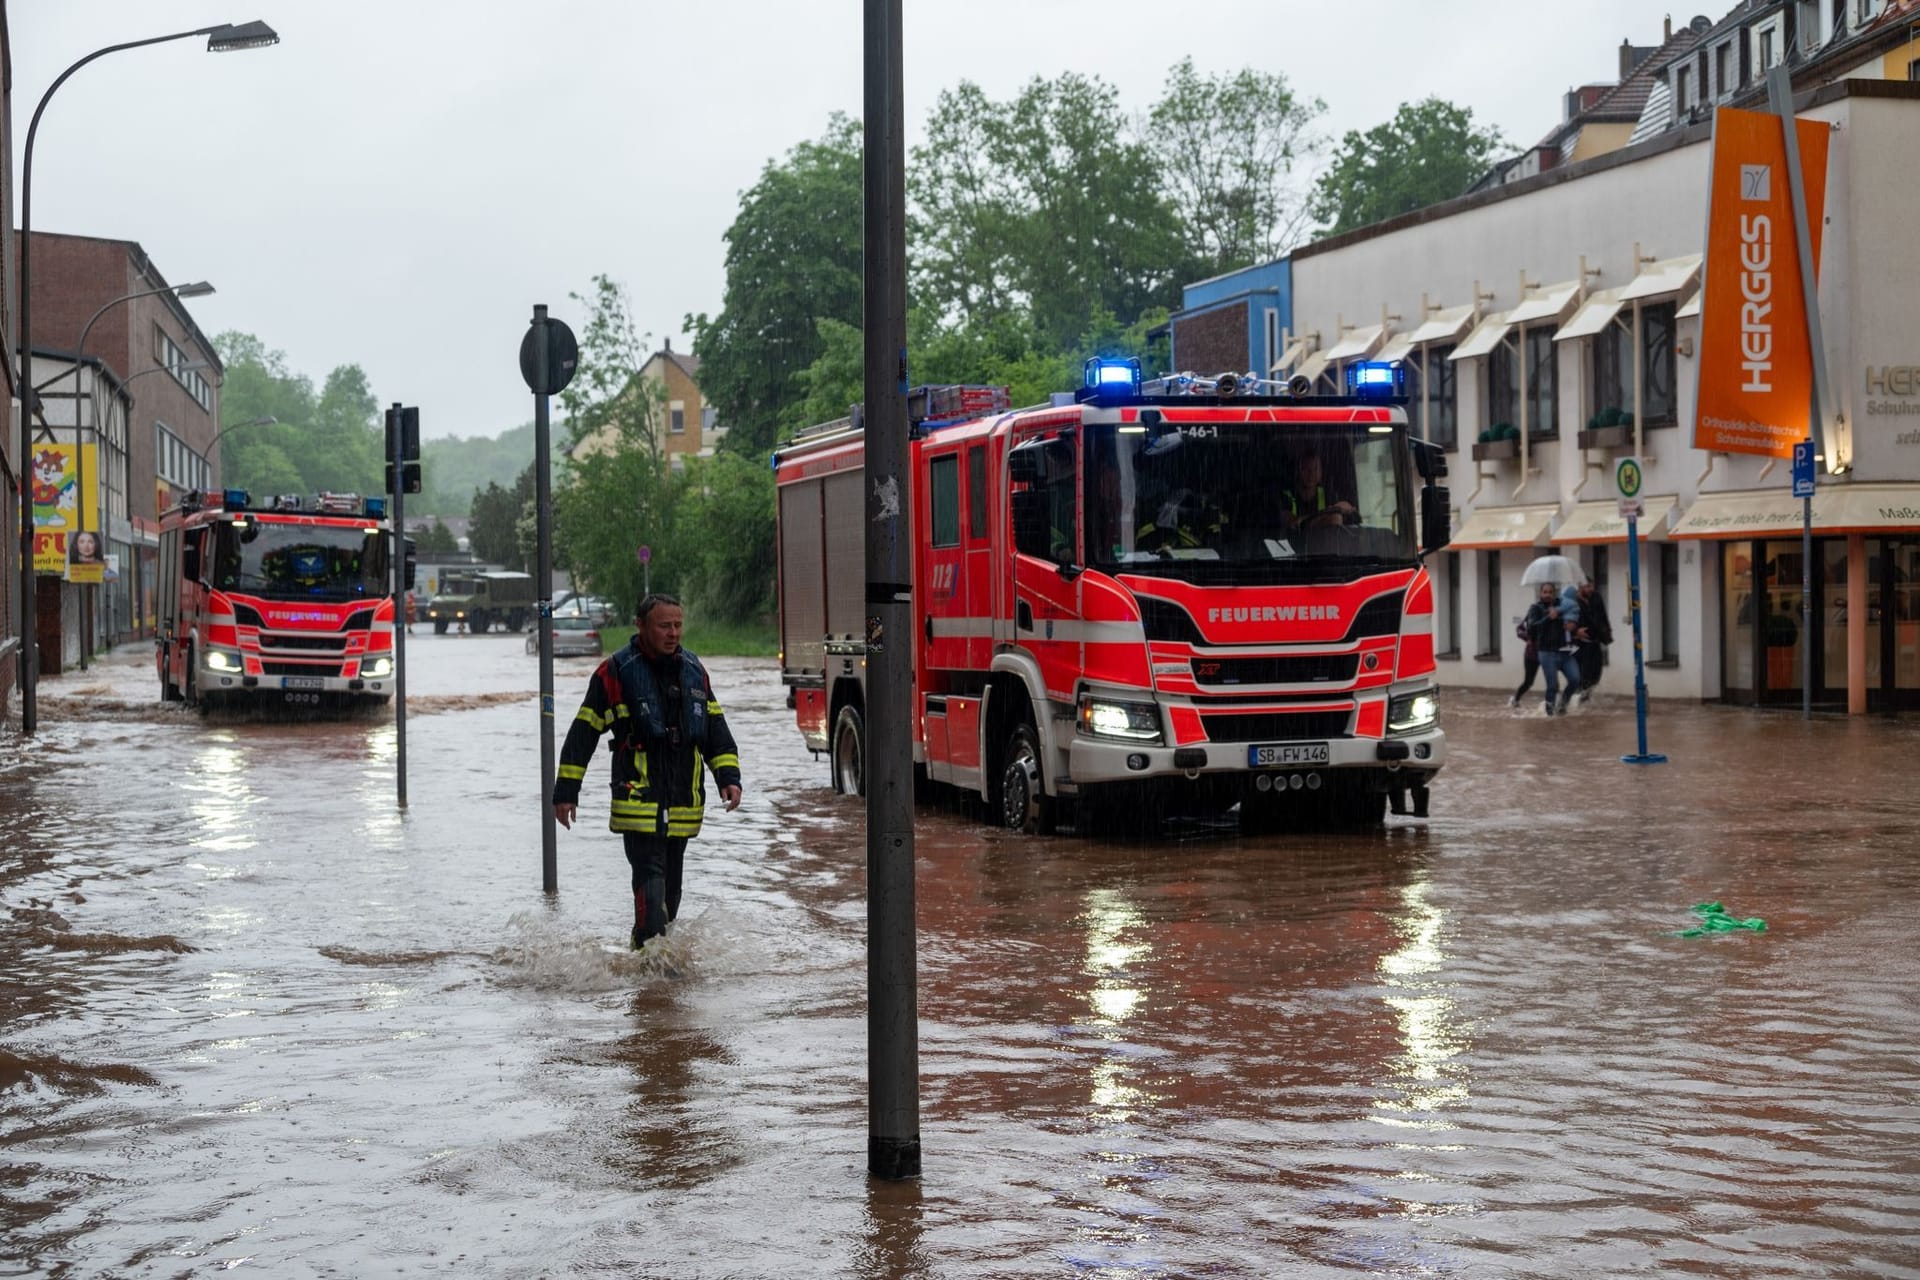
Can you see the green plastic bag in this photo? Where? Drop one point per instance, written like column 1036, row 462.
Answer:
column 1714, row 919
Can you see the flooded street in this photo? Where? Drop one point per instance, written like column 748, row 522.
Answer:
column 257, row 1018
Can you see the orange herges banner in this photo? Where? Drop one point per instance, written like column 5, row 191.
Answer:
column 1756, row 365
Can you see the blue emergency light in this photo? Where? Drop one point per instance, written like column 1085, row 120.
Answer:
column 234, row 499
column 1112, row 375
column 1376, row 379
column 376, row 507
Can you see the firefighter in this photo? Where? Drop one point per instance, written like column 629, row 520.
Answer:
column 1309, row 505
column 1186, row 521
column 656, row 700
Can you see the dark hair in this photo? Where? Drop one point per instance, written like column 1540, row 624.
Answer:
column 647, row 604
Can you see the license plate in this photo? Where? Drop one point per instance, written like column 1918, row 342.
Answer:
column 1279, row 754
column 302, row 682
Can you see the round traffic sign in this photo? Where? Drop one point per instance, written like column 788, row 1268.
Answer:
column 562, row 357
column 1627, row 477
column 644, row 554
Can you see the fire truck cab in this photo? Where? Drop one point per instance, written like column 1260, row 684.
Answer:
column 288, row 599
column 1182, row 595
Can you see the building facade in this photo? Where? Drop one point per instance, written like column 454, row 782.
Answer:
column 151, row 345
column 1550, row 327
column 12, row 466
column 1233, row 322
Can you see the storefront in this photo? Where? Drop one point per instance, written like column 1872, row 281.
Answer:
column 1864, row 638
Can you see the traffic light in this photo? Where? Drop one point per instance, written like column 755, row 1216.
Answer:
column 405, row 419
column 411, row 473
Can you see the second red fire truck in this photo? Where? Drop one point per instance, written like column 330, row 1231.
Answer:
column 285, row 601
column 1183, row 595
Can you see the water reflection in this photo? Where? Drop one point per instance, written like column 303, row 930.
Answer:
column 1431, row 1039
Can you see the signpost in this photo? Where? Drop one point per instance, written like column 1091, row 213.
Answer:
column 548, row 357
column 1628, row 477
column 645, row 556
column 403, row 477
column 1803, row 472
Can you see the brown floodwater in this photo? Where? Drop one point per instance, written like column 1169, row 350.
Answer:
column 254, row 1017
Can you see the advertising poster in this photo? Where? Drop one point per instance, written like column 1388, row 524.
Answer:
column 1756, row 363
column 86, row 556
column 58, row 508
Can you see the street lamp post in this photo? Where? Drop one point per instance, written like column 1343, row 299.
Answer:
column 224, row 38
column 197, row 289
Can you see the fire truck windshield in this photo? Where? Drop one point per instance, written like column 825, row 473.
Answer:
column 1246, row 501
column 286, row 561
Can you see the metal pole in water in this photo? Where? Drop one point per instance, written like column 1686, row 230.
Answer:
column 543, row 587
column 396, row 432
column 893, row 1051
column 1639, row 650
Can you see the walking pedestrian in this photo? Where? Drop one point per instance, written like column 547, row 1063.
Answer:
column 1595, row 631
column 655, row 698
column 1530, row 656
column 1546, row 627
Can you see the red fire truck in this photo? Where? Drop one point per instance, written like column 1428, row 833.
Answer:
column 1183, row 595
column 288, row 600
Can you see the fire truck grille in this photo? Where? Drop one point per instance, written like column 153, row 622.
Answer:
column 334, row 643
column 1277, row 726
column 300, row 668
column 1337, row 668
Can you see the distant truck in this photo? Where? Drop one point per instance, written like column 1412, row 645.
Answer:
column 481, row 599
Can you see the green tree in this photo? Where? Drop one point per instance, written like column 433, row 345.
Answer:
column 793, row 259
column 1046, row 203
column 495, row 514
column 725, row 544
column 326, row 441
column 1230, row 149
column 1430, row 151
column 437, row 537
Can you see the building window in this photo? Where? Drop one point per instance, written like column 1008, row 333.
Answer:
column 174, row 359
column 1436, row 381
column 1668, row 594
column 1682, row 90
column 1272, row 341
column 176, row 463
column 1491, row 623
column 1543, row 383
column 1764, row 41
column 1613, row 375
column 1450, row 638
column 1723, row 70
column 1502, row 399
column 677, row 417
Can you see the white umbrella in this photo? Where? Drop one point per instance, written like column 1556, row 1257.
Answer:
column 1558, row 570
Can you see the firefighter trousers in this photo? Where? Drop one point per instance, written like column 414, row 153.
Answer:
column 657, row 863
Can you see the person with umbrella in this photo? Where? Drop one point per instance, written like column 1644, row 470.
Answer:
column 1549, row 627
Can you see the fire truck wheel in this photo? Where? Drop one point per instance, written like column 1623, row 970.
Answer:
column 849, row 755
column 1024, row 806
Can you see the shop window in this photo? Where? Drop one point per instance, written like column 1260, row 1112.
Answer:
column 1492, row 625
column 1667, row 573
column 1543, row 383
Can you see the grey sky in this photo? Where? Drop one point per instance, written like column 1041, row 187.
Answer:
column 398, row 181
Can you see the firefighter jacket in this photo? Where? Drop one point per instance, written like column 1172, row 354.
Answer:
column 667, row 729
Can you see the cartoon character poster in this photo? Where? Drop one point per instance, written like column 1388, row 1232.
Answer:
column 58, row 498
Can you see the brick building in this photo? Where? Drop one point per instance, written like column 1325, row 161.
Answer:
column 152, row 348
column 10, row 463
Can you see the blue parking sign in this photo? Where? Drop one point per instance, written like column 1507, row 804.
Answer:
column 1803, row 469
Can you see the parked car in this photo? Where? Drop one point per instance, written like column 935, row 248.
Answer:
column 600, row 609
column 574, row 636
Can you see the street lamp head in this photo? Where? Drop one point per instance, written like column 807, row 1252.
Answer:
column 247, row 35
column 198, row 289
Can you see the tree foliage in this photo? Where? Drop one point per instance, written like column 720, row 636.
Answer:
column 1047, row 204
column 1231, row 151
column 495, row 514
column 330, row 440
column 793, row 259
column 1430, row 151
column 437, row 538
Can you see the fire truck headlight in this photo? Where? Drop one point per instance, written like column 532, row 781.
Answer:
column 1411, row 711
column 221, row 660
column 374, row 668
column 1110, row 718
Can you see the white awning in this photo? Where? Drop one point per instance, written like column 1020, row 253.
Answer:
column 1593, row 317
column 1312, row 367
column 1775, row 513
column 1549, row 303
column 1493, row 528
column 1357, row 344
column 1289, row 357
column 1663, row 279
column 1445, row 325
column 1493, row 327
column 1593, row 522
column 1691, row 307
column 1398, row 347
